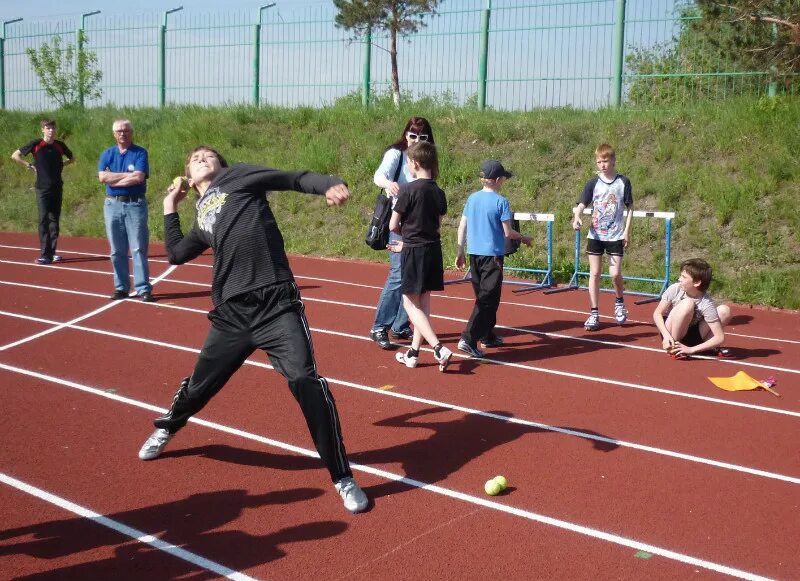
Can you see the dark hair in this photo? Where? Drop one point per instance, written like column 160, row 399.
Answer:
column 47, row 123
column 221, row 159
column 424, row 153
column 414, row 125
column 699, row 270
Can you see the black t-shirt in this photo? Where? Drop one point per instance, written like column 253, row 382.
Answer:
column 48, row 159
column 420, row 204
column 235, row 220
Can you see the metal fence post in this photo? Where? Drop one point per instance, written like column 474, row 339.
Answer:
column 2, row 73
column 3, row 62
column 618, row 58
column 484, row 56
column 772, row 89
column 256, row 63
column 80, row 60
column 162, row 58
column 365, row 77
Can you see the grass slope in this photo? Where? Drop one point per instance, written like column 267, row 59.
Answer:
column 729, row 170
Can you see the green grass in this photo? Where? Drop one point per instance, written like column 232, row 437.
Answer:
column 728, row 169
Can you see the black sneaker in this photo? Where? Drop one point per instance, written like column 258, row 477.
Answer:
column 381, row 338
column 147, row 297
column 118, row 295
column 493, row 341
column 43, row 260
column 407, row 333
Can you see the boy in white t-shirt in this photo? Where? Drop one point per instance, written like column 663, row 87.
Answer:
column 687, row 317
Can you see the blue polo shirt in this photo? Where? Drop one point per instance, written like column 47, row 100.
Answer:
column 134, row 159
column 486, row 211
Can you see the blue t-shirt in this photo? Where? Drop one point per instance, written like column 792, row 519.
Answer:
column 134, row 159
column 485, row 212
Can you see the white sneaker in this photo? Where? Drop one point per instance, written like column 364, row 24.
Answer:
column 443, row 358
column 593, row 322
column 620, row 313
column 406, row 359
column 155, row 444
column 353, row 497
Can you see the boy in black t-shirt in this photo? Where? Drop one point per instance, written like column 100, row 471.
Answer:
column 48, row 161
column 420, row 207
column 256, row 301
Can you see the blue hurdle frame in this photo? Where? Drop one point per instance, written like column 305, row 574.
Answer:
column 574, row 282
column 547, row 278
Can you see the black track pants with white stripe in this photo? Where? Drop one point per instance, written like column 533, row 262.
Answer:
column 272, row 319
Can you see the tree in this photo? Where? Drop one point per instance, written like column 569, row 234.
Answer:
column 67, row 74
column 403, row 17
column 755, row 40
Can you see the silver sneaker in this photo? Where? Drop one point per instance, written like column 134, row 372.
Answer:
column 620, row 313
column 353, row 497
column 155, row 444
column 444, row 357
column 470, row 350
column 593, row 322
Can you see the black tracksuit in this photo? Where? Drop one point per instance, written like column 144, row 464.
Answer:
column 48, row 158
column 256, row 302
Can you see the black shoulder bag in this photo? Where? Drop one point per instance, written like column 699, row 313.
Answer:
column 378, row 232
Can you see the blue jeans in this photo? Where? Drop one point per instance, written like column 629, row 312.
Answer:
column 126, row 228
column 390, row 312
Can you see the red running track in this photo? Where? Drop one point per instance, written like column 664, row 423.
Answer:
column 622, row 463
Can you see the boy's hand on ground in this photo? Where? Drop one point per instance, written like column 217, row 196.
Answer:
column 678, row 349
column 337, row 195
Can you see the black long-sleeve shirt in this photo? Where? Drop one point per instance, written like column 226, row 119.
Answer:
column 235, row 220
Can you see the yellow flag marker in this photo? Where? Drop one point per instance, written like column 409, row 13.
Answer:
column 741, row 382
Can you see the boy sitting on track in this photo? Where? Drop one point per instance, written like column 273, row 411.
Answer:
column 687, row 317
column 420, row 207
column 485, row 223
column 609, row 193
column 256, row 301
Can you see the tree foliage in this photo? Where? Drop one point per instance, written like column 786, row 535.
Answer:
column 738, row 46
column 397, row 17
column 68, row 74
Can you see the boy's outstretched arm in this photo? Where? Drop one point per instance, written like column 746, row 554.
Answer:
column 628, row 221
column 578, row 211
column 460, row 238
column 512, row 234
column 667, row 341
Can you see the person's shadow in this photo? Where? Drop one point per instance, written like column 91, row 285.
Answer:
column 189, row 523
column 450, row 446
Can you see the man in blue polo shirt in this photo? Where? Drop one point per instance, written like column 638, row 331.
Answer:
column 124, row 169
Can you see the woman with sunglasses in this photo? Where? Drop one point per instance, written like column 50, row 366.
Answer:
column 390, row 316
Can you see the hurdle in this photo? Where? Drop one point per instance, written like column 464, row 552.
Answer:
column 547, row 273
column 574, row 282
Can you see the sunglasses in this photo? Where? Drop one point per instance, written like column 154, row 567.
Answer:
column 418, row 136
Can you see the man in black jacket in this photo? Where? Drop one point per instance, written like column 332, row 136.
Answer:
column 256, row 301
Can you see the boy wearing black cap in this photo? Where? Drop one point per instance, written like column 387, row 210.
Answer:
column 489, row 218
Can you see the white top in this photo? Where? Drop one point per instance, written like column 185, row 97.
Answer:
column 704, row 306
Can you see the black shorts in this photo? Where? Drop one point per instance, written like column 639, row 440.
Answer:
column 692, row 336
column 421, row 269
column 598, row 247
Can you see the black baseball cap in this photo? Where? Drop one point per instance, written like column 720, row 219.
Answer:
column 491, row 169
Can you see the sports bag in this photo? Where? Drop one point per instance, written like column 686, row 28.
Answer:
column 512, row 245
column 378, row 232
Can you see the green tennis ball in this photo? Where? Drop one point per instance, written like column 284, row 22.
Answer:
column 501, row 480
column 492, row 487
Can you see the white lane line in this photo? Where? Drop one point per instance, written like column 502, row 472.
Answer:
column 468, row 498
column 373, row 287
column 457, row 355
column 60, row 326
column 467, row 410
column 125, row 530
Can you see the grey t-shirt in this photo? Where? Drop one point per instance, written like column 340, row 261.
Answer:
column 704, row 307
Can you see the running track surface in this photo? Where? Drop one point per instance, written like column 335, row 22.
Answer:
column 622, row 463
